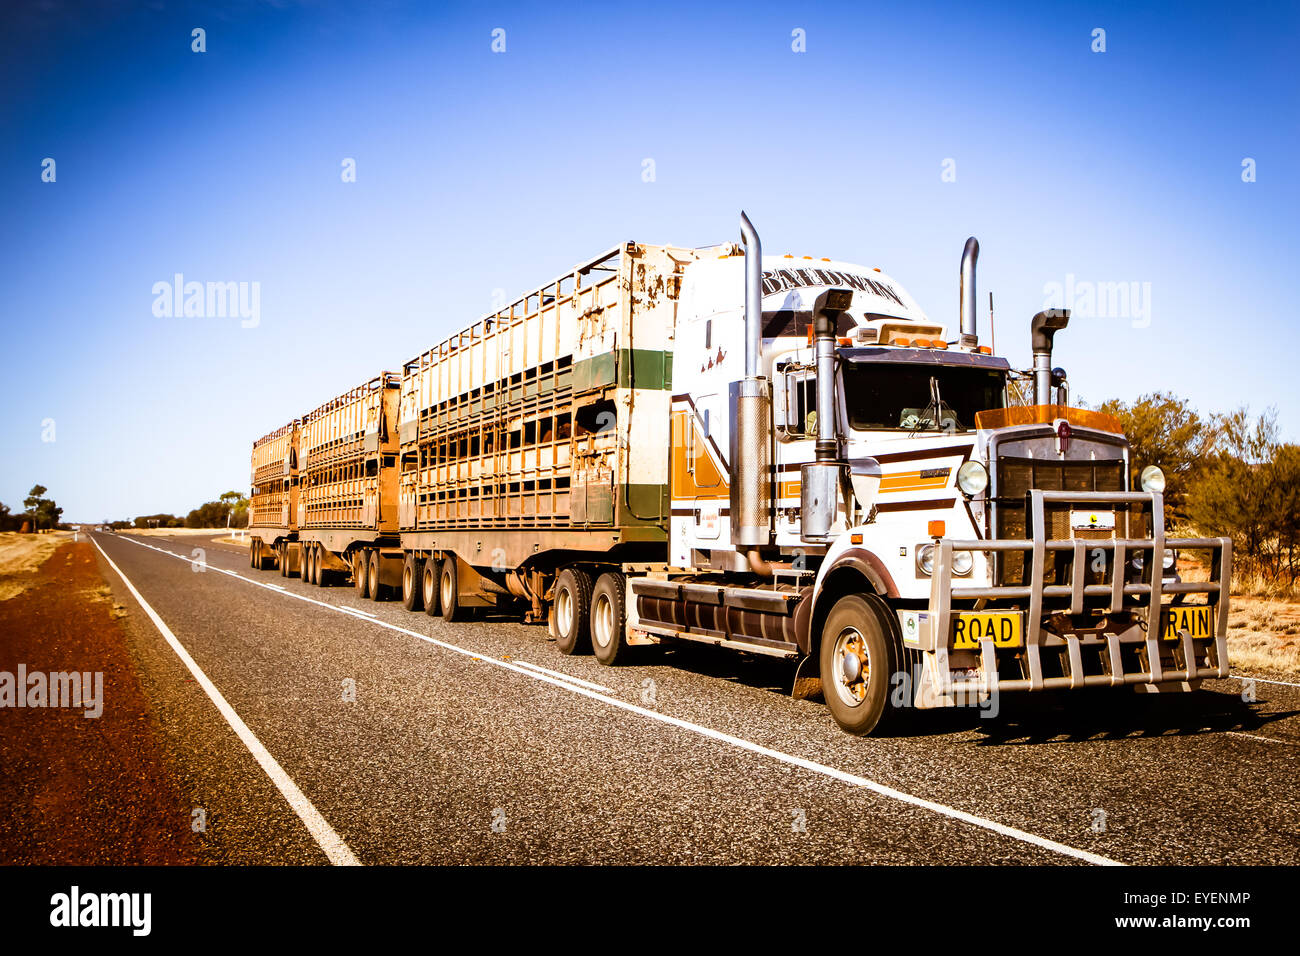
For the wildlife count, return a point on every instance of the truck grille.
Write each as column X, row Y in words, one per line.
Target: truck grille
column 1016, row 476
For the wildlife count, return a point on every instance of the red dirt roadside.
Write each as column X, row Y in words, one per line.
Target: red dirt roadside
column 75, row 790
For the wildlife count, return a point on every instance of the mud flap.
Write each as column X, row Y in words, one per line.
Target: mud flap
column 807, row 679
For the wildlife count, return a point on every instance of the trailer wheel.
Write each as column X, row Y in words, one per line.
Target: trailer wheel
column 252, row 552
column 361, row 574
column 378, row 590
column 449, row 592
column 309, row 563
column 570, row 616
column 430, row 587
column 322, row 575
column 608, row 618
column 857, row 659
column 412, row 583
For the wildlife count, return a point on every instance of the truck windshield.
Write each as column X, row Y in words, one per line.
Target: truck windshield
column 885, row 395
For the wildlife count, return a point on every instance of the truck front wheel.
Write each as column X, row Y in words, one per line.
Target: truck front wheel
column 857, row 659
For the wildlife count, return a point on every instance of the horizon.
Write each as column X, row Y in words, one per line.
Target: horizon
column 478, row 175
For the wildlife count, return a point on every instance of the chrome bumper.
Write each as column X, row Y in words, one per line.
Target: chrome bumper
column 1186, row 660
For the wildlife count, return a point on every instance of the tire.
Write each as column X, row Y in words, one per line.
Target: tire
column 322, row 576
column 429, row 587
column 313, row 566
column 378, row 590
column 448, row 592
column 608, row 619
column 859, row 700
column 252, row 552
column 412, row 586
column 570, row 615
column 361, row 573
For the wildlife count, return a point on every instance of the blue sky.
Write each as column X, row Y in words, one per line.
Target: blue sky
column 478, row 171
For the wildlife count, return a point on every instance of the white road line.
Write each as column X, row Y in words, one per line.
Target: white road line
column 738, row 742
column 572, row 680
column 1262, row 680
column 334, row 846
column 1268, row 740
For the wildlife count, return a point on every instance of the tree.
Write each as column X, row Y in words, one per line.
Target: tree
column 1250, row 491
column 1165, row 430
column 43, row 510
column 8, row 521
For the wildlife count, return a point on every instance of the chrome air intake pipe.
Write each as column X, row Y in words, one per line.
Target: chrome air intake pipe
column 823, row 480
column 969, row 330
column 751, row 415
column 1043, row 331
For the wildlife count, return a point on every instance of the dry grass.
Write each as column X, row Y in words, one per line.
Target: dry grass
column 105, row 593
column 22, row 554
column 1264, row 636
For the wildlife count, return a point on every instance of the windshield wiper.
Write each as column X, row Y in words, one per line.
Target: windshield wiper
column 937, row 404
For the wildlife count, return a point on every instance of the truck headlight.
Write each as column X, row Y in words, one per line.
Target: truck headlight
column 972, row 478
column 1152, row 480
column 1167, row 560
column 962, row 561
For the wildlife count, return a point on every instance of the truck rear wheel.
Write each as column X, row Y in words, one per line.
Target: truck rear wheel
column 322, row 575
column 361, row 574
column 252, row 552
column 309, row 563
column 449, row 593
column 857, row 658
column 378, row 590
column 608, row 619
column 412, row 589
column 570, row 616
column 430, row 587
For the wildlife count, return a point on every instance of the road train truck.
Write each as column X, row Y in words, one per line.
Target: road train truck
column 776, row 455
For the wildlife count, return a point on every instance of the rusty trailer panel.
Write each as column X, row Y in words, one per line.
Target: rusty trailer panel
column 347, row 453
column 273, row 501
column 546, row 425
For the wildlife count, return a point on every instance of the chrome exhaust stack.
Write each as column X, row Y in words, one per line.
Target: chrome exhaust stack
column 751, row 415
column 1043, row 331
column 969, row 329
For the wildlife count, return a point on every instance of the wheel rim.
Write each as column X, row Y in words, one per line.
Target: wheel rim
column 408, row 584
column 851, row 663
column 602, row 620
column 429, row 586
column 444, row 590
column 564, row 612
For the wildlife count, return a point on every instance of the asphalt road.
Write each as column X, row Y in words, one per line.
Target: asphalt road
column 457, row 748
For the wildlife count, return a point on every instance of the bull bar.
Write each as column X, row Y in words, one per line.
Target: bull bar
column 1148, row 609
